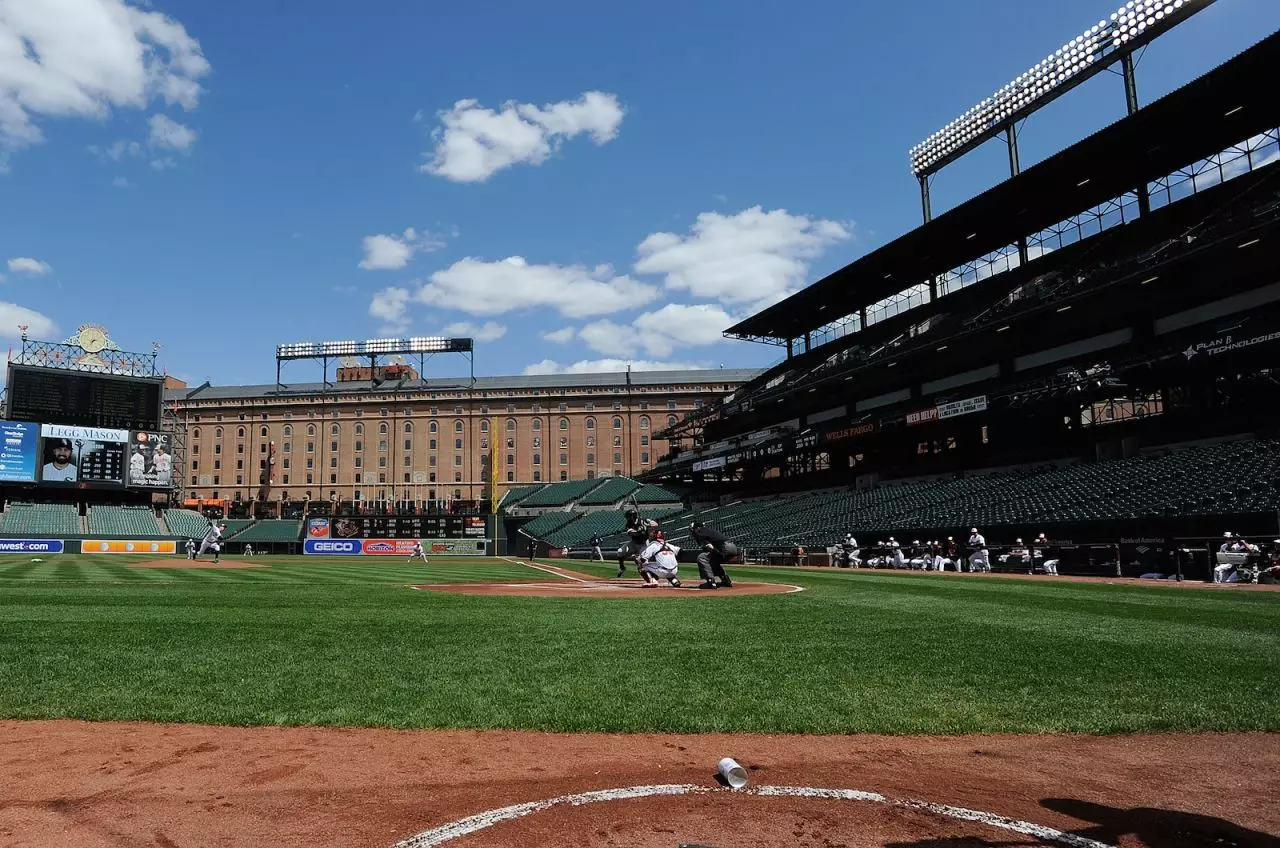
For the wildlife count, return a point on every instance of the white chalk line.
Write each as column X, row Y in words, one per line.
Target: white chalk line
column 465, row 827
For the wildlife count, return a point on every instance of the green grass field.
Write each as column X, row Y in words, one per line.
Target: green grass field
column 334, row 642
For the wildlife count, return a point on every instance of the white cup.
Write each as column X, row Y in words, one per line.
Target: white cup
column 733, row 774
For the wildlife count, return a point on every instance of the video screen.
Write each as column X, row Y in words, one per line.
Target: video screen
column 82, row 455
column 82, row 399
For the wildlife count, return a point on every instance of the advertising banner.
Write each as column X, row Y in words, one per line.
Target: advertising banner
column 456, row 547
column 127, row 546
column 150, row 460
column 866, row 428
column 393, row 547
column 31, row 546
column 317, row 528
column 19, row 450
column 332, row 547
column 923, row 416
column 708, row 464
column 963, row 407
column 388, row 547
column 93, row 455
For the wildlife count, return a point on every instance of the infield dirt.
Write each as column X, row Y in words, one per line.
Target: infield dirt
column 71, row 783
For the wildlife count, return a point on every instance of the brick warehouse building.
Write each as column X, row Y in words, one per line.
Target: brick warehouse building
column 430, row 440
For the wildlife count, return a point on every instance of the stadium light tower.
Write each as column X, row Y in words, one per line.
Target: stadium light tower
column 1110, row 40
column 372, row 349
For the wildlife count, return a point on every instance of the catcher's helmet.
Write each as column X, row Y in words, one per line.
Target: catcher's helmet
column 630, row 513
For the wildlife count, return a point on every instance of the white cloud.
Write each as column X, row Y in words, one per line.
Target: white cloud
column 29, row 266
column 474, row 142
column 121, row 182
column 660, row 332
column 753, row 257
column 489, row 331
column 560, row 336
column 391, row 307
column 12, row 316
column 164, row 163
column 83, row 58
column 593, row 366
column 116, row 151
column 167, row 134
column 492, row 288
column 393, row 252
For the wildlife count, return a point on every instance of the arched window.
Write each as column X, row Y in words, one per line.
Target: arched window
column 537, row 425
column 564, row 423
column 671, row 421
column 408, row 428
column 457, row 426
column 484, row 425
column 433, row 427
column 240, row 432
column 537, row 459
column 359, row 429
column 617, row 422
column 333, row 430
column 511, row 425
column 311, row 429
column 644, row 422
column 382, row 429
column 591, row 423
column 217, row 433
column 263, row 432
column 195, row 434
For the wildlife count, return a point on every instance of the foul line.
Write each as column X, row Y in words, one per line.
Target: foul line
column 464, row 827
column 547, row 570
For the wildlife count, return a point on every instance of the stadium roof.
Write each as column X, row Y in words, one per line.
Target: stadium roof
column 513, row 383
column 1227, row 105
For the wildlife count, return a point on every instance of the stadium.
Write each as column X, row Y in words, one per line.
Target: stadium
column 1002, row 528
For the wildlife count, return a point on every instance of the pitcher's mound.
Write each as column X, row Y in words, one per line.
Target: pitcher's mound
column 608, row 589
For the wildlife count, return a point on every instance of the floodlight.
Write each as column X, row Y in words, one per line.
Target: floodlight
column 1062, row 69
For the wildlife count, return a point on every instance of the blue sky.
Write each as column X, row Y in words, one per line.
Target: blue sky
column 282, row 171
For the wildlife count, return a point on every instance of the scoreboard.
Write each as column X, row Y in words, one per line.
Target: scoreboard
column 83, row 399
column 407, row 527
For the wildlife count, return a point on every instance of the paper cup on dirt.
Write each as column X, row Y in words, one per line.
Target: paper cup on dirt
column 733, row 774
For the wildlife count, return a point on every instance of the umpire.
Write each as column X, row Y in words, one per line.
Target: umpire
column 715, row 548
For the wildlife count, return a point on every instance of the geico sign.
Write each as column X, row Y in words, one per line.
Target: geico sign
column 324, row 546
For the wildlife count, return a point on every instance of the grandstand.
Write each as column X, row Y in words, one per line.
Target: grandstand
column 1087, row 349
column 186, row 523
column 128, row 522
column 40, row 521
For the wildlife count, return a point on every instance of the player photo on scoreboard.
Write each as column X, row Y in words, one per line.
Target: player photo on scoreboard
column 72, row 455
column 150, row 460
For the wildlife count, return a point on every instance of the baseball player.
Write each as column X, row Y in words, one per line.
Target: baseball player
column 660, row 562
column 191, row 548
column 418, row 552
column 212, row 542
column 716, row 548
column 980, row 559
column 637, row 531
column 248, row 550
column 1042, row 549
column 596, row 555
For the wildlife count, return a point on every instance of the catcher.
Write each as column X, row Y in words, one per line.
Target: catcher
column 637, row 531
column 660, row 562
